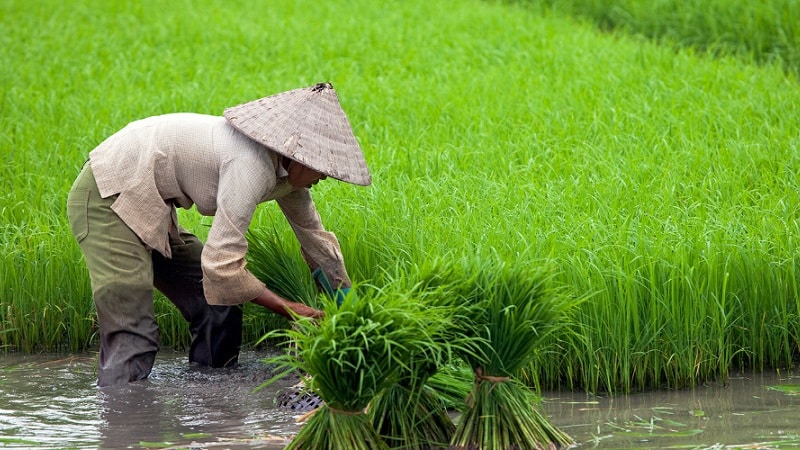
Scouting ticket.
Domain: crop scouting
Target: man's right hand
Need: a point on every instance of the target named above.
(285, 308)
(303, 310)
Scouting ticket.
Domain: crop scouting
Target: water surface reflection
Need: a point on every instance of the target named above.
(51, 402)
(55, 404)
(743, 412)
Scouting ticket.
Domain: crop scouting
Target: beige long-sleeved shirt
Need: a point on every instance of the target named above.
(178, 160)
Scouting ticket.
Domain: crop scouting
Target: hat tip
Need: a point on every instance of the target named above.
(319, 87)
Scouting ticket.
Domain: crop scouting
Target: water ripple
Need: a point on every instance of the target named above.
(48, 401)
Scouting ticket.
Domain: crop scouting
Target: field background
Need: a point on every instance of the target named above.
(647, 158)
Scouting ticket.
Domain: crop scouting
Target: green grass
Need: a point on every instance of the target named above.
(657, 180)
(765, 32)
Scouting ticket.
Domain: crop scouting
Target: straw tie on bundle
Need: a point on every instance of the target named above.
(309, 414)
(348, 413)
(479, 376)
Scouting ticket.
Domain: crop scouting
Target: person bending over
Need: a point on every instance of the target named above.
(122, 212)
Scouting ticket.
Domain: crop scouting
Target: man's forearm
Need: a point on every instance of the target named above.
(273, 302)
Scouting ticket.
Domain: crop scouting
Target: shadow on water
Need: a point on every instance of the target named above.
(51, 402)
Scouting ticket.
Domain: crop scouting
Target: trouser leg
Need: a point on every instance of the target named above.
(216, 330)
(121, 274)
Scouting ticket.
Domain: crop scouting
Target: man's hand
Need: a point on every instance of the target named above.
(280, 305)
(302, 310)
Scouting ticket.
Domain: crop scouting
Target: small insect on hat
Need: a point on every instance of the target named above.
(307, 125)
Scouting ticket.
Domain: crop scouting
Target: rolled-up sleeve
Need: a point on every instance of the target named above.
(226, 280)
(318, 245)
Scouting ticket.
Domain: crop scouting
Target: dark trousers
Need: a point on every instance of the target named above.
(124, 273)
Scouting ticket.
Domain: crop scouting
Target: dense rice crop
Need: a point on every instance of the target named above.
(765, 32)
(660, 182)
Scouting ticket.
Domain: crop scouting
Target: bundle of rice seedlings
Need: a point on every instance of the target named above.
(412, 414)
(409, 414)
(517, 312)
(351, 355)
(411, 418)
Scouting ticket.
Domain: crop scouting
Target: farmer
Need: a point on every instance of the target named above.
(122, 212)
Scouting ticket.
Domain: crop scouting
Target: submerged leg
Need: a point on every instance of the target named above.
(120, 269)
(216, 330)
(128, 333)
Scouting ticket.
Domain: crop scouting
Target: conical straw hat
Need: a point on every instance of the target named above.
(307, 125)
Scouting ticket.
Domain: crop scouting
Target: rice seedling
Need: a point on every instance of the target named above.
(653, 428)
(412, 413)
(763, 32)
(276, 261)
(351, 356)
(660, 180)
(516, 313)
(791, 389)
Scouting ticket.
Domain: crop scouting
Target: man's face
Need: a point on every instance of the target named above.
(302, 176)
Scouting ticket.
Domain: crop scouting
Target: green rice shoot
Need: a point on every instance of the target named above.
(351, 356)
(517, 313)
(411, 414)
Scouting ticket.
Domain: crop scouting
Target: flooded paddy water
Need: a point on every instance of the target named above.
(51, 402)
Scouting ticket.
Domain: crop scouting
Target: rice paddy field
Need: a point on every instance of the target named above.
(646, 157)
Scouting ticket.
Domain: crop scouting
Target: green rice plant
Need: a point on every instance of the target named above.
(276, 260)
(649, 332)
(412, 413)
(660, 181)
(350, 356)
(38, 312)
(765, 32)
(517, 311)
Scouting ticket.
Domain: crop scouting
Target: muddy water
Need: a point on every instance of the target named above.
(51, 402)
(748, 411)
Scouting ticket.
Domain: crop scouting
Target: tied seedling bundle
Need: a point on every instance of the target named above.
(517, 311)
(412, 413)
(350, 356)
(409, 414)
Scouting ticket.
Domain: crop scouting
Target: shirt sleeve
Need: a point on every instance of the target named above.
(226, 280)
(320, 247)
